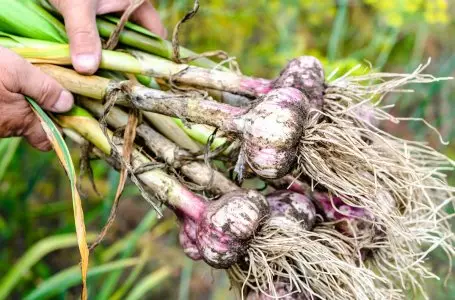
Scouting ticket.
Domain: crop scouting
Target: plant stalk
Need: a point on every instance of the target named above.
(138, 62)
(163, 148)
(170, 128)
(200, 77)
(195, 109)
(270, 131)
(139, 38)
(166, 188)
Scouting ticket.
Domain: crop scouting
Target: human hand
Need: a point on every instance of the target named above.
(80, 23)
(18, 78)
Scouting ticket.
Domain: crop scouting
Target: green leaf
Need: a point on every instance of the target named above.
(201, 133)
(60, 148)
(72, 276)
(90, 130)
(41, 11)
(185, 279)
(133, 27)
(149, 283)
(7, 149)
(126, 246)
(338, 29)
(144, 42)
(31, 257)
(27, 19)
(132, 277)
(78, 111)
(12, 41)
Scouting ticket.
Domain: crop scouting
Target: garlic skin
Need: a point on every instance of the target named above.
(351, 221)
(288, 206)
(306, 74)
(228, 224)
(272, 130)
(187, 239)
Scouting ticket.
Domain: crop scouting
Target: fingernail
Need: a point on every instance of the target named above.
(85, 63)
(64, 102)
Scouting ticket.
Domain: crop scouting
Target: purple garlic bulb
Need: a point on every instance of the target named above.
(288, 206)
(221, 234)
(187, 238)
(272, 131)
(283, 292)
(353, 220)
(228, 224)
(306, 74)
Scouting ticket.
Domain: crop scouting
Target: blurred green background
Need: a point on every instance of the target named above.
(140, 257)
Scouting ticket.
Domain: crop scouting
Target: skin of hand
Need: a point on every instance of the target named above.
(19, 78)
(80, 23)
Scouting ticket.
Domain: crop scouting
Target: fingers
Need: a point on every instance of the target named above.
(147, 16)
(110, 6)
(45, 90)
(36, 136)
(20, 77)
(80, 23)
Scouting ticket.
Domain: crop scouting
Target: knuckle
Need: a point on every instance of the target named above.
(84, 39)
(65, 5)
(35, 134)
(105, 7)
(43, 145)
(28, 124)
(81, 33)
(47, 90)
(17, 116)
(9, 66)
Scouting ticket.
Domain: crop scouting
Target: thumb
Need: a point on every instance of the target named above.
(23, 78)
(45, 90)
(80, 23)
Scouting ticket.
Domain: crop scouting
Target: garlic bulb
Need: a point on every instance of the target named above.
(288, 206)
(272, 130)
(221, 234)
(306, 74)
